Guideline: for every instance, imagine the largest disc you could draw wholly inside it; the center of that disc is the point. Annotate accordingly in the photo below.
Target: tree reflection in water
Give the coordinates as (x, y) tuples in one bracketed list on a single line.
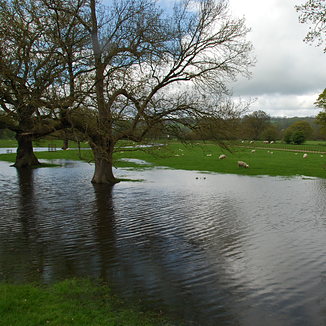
[(223, 250)]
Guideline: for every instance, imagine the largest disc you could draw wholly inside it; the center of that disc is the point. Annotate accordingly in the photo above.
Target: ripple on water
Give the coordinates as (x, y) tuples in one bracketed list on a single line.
[(224, 250)]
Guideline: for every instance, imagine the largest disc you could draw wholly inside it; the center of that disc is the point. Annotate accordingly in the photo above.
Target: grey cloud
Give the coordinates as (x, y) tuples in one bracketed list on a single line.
[(287, 69)]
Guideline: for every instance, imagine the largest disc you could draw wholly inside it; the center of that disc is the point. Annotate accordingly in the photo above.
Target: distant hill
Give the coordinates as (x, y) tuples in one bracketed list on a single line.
[(283, 122)]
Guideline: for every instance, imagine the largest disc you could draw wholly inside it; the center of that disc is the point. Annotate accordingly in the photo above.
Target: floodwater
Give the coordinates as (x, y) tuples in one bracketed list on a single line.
[(207, 249)]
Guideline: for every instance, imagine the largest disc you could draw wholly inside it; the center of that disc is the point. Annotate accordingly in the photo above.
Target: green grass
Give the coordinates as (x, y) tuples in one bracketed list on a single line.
[(8, 143), (202, 156), (86, 155), (310, 145), (71, 302), (42, 143)]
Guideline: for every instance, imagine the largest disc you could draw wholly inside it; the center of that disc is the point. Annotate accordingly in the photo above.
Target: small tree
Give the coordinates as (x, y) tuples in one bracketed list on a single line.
[(321, 116), (270, 133), (254, 124), (298, 137), (298, 132), (287, 137), (304, 127)]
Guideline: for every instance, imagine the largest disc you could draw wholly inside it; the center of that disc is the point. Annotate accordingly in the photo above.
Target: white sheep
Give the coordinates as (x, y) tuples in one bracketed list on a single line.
[(243, 164), (253, 151), (222, 157), (305, 155)]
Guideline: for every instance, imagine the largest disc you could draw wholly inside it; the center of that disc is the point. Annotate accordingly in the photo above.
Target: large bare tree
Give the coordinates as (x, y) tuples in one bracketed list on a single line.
[(118, 71), (38, 68), (151, 68)]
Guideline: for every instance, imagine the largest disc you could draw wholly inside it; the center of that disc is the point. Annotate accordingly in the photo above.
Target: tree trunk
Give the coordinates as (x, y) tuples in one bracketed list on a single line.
[(25, 156), (65, 144), (103, 167)]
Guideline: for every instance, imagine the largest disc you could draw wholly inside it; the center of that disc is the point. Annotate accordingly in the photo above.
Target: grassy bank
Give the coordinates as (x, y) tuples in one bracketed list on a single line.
[(68, 303), (204, 157)]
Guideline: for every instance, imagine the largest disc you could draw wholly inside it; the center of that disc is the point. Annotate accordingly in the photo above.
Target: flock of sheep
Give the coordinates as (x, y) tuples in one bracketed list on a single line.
[(242, 164)]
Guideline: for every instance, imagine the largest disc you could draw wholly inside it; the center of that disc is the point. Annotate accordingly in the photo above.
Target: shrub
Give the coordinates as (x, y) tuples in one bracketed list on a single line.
[(287, 136), (298, 137)]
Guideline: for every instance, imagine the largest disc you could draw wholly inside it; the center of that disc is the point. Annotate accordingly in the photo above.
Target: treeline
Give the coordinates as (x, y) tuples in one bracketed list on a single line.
[(258, 125), (255, 126)]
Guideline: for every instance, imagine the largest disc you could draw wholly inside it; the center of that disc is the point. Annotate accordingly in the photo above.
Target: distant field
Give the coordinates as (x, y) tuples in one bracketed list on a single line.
[(311, 145), (202, 156), (42, 143)]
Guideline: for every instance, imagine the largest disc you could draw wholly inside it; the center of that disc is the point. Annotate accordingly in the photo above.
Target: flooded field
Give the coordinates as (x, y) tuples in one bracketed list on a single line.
[(208, 249)]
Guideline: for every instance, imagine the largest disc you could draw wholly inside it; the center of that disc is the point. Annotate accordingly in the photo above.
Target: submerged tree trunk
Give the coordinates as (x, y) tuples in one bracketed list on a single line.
[(25, 156), (65, 145), (103, 173)]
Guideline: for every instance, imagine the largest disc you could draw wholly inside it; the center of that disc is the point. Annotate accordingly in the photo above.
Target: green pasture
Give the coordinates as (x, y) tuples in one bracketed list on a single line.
[(201, 156), (310, 145), (43, 143), (205, 157), (69, 303)]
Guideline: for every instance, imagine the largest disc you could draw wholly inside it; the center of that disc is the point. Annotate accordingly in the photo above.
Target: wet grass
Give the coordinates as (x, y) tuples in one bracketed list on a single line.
[(203, 156), (74, 155), (43, 143), (69, 303)]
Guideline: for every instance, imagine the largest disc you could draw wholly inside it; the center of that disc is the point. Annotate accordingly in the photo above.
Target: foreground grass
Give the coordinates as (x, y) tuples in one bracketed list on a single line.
[(68, 303), (204, 157)]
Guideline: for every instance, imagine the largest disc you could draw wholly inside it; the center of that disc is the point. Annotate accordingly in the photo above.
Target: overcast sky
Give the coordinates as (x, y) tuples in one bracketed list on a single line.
[(289, 74)]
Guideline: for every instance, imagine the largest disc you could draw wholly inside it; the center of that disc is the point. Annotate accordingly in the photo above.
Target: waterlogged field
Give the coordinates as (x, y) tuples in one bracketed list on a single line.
[(205, 157), (263, 159)]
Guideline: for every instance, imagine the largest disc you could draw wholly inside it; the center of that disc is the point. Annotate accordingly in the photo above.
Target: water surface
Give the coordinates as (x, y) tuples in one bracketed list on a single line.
[(209, 249)]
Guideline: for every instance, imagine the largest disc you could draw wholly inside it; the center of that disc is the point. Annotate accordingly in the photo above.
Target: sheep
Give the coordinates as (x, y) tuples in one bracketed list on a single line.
[(253, 151), (209, 155), (266, 142), (222, 157), (243, 164), (305, 155)]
